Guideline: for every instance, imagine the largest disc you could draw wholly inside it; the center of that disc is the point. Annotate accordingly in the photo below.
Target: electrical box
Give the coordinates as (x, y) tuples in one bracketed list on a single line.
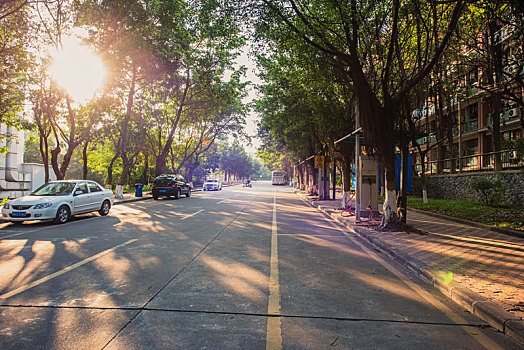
[(368, 184)]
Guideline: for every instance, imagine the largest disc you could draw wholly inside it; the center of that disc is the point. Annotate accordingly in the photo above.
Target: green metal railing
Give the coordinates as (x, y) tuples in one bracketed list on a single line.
[(477, 162)]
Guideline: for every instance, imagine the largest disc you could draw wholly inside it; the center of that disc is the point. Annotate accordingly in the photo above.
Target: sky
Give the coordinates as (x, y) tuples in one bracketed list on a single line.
[(252, 119)]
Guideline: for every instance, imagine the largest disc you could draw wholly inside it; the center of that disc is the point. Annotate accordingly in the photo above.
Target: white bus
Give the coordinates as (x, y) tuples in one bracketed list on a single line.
[(278, 178)]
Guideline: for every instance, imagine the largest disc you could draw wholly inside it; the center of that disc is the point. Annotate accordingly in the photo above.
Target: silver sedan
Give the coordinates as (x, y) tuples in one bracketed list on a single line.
[(59, 200)]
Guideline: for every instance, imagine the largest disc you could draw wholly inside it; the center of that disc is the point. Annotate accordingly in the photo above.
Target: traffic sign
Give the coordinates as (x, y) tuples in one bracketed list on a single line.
[(319, 162)]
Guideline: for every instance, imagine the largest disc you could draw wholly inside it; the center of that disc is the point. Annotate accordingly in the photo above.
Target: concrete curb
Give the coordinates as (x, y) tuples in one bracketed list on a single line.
[(506, 231), (493, 314), (129, 200)]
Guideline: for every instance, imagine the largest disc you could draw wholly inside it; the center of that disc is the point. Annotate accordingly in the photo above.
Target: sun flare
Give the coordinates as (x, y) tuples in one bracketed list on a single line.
[(78, 70)]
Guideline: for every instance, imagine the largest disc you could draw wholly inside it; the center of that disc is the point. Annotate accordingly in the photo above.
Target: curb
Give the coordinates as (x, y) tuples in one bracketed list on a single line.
[(136, 199), (506, 231), (493, 314)]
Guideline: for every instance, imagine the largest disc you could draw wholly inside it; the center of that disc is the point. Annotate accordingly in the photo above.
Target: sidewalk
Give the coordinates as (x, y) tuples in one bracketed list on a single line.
[(479, 269)]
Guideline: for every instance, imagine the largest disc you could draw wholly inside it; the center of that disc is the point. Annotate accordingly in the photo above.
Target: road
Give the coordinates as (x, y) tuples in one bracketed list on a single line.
[(241, 268)]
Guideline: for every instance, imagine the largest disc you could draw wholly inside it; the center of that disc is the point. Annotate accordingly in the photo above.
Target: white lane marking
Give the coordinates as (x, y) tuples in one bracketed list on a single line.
[(225, 200), (63, 271), (274, 324), (191, 215)]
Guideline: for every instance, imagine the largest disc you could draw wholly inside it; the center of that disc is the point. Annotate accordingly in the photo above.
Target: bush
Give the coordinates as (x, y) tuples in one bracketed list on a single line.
[(492, 192)]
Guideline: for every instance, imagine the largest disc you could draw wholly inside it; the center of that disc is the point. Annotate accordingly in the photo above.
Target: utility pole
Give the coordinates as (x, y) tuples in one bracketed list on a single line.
[(326, 176), (460, 136), (357, 164), (334, 176)]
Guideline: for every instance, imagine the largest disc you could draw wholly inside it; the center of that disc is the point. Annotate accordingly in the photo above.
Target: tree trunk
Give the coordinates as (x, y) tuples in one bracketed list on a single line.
[(423, 176), (110, 169), (161, 159), (145, 175), (303, 177), (404, 181), (44, 152), (390, 202), (84, 159), (54, 163), (119, 190), (424, 189), (347, 154), (346, 184), (190, 172)]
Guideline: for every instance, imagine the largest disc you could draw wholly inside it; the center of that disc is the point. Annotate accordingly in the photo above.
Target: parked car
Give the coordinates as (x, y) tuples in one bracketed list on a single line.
[(59, 200), (212, 185), (171, 185)]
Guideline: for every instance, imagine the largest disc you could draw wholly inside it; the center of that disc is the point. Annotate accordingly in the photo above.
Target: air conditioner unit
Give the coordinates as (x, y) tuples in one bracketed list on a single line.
[(510, 69), (512, 113), (513, 155)]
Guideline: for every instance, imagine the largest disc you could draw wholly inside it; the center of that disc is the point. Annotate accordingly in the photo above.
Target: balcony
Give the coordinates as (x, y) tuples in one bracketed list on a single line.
[(509, 159), (470, 126)]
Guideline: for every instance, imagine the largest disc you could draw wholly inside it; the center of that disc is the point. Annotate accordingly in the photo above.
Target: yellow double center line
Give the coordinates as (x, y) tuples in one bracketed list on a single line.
[(274, 324)]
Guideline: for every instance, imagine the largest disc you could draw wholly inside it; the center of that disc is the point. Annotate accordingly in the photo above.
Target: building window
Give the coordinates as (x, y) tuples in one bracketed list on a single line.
[(473, 111), (471, 147)]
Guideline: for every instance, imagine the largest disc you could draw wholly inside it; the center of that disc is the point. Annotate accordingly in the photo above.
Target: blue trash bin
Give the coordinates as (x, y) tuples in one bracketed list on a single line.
[(138, 190)]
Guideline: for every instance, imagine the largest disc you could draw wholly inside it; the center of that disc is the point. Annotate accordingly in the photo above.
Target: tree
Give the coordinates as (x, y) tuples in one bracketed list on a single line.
[(375, 43), (236, 163), (15, 35), (305, 108)]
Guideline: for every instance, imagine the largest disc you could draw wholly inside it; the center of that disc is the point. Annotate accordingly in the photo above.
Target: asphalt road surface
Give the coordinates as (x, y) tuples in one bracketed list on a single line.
[(241, 268)]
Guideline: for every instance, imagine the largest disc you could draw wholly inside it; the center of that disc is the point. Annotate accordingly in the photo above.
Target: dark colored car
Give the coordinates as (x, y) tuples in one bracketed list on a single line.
[(171, 185)]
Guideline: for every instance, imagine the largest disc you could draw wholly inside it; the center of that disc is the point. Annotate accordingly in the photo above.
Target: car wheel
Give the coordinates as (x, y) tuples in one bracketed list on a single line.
[(155, 197), (62, 215), (177, 194), (188, 194), (104, 209)]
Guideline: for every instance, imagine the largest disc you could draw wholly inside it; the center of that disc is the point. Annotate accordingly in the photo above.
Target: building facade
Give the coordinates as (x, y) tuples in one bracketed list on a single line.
[(469, 115)]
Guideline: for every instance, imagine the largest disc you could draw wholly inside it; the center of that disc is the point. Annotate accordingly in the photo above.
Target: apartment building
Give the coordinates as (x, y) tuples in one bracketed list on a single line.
[(470, 113)]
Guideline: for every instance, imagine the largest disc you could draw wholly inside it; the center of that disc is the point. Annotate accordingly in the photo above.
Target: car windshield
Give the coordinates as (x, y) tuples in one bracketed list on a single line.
[(55, 189)]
